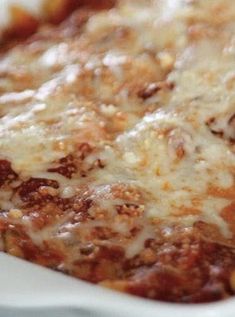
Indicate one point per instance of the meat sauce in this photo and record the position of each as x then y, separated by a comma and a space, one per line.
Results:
178, 265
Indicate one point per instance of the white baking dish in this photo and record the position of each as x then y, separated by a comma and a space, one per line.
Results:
28, 290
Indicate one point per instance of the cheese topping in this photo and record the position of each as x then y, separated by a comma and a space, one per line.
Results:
149, 87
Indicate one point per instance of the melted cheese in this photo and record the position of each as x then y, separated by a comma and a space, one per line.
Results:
180, 184
167, 145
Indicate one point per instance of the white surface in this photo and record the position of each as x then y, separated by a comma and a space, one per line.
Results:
29, 290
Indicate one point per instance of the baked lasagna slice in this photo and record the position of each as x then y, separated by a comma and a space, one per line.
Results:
117, 148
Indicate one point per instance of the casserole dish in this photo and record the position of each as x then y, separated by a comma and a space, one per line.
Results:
29, 290
117, 150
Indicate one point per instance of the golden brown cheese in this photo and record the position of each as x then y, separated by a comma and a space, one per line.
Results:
117, 155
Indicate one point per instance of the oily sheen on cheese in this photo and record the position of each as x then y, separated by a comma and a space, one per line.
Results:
117, 156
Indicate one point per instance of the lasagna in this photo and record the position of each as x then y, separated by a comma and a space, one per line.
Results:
117, 147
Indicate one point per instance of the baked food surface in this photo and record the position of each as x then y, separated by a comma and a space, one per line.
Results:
117, 157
